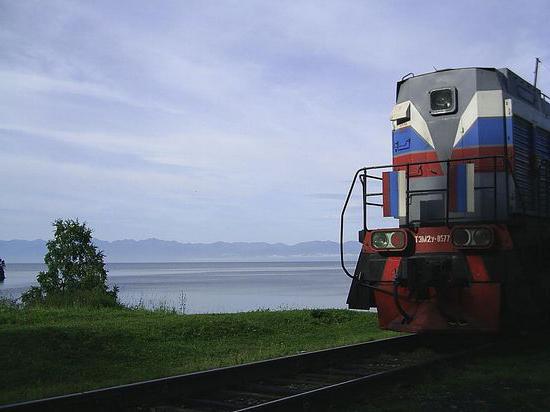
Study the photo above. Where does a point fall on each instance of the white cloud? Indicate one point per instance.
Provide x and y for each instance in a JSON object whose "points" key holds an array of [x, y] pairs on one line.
{"points": [[246, 106]]}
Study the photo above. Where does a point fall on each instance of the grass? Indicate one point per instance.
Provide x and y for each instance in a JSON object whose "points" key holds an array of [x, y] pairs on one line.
{"points": [[515, 377], [49, 351]]}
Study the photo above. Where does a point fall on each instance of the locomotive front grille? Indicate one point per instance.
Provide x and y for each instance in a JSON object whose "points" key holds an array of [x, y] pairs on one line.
{"points": [[419, 272]]}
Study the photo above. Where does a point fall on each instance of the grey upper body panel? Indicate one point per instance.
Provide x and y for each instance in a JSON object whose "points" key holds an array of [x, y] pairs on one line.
{"points": [[467, 82], [527, 103]]}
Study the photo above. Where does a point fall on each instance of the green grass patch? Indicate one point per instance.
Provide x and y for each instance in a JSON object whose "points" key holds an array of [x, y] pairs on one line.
{"points": [[53, 351]]}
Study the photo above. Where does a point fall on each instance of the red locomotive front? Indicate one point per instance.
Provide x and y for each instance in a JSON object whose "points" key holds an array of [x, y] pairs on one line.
{"points": [[469, 189]]}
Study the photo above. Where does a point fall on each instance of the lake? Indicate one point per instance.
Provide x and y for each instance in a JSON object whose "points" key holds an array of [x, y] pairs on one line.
{"points": [[213, 287]]}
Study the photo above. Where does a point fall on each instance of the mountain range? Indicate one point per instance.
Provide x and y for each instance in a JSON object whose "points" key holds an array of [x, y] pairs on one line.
{"points": [[156, 250]]}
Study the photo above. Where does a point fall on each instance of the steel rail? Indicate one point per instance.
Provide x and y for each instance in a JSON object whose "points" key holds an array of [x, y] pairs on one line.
{"points": [[343, 392], [198, 390], [165, 389]]}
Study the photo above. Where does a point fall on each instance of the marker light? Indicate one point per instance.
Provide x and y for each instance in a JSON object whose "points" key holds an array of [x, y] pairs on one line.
{"points": [[398, 239]]}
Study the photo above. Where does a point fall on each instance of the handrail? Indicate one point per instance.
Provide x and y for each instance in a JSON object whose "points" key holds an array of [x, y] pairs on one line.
{"points": [[348, 197], [362, 172], [463, 159]]}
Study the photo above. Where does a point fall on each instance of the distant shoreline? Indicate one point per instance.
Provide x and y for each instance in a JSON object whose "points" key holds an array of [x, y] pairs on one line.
{"points": [[161, 251], [349, 258]]}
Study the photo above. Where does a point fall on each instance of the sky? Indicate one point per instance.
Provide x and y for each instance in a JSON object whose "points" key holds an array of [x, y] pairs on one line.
{"points": [[205, 121]]}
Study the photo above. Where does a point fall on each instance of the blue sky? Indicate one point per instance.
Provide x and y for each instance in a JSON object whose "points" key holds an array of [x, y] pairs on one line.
{"points": [[238, 120]]}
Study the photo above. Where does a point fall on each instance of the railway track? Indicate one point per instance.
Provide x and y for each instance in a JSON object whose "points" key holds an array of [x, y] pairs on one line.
{"points": [[307, 381]]}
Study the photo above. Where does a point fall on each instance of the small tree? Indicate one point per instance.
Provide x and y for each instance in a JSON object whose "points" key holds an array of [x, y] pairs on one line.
{"points": [[76, 271]]}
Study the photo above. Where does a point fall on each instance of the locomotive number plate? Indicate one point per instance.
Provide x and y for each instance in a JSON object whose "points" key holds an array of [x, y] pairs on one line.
{"points": [[432, 238]]}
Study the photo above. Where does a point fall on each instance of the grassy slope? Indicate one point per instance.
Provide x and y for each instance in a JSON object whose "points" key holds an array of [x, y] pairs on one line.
{"points": [[45, 352]]}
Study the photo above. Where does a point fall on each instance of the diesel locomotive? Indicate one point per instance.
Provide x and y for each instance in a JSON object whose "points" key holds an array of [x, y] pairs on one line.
{"points": [[469, 194]]}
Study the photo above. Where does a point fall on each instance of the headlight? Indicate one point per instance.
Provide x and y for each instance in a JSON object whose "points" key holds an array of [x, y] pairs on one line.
{"points": [[461, 237], [380, 240], [389, 240], [483, 237], [472, 237]]}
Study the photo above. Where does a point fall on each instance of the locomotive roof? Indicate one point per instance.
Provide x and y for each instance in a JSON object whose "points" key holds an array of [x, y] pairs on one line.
{"points": [[504, 70], [514, 84]]}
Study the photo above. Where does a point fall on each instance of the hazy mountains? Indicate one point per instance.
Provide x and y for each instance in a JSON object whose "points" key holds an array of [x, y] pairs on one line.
{"points": [[155, 250]]}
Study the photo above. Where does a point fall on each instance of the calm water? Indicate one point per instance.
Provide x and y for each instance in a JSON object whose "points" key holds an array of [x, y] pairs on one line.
{"points": [[213, 287]]}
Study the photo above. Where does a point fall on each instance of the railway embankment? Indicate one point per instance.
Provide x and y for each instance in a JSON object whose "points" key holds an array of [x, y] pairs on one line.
{"points": [[513, 376], [53, 351]]}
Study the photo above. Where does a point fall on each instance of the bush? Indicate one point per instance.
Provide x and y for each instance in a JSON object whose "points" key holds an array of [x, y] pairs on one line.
{"points": [[76, 272], [95, 298]]}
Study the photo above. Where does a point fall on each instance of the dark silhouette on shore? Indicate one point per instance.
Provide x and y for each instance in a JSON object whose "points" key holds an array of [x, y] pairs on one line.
{"points": [[2, 270]]}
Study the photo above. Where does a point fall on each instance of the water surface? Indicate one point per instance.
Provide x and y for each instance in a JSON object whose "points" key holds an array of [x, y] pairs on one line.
{"points": [[213, 287]]}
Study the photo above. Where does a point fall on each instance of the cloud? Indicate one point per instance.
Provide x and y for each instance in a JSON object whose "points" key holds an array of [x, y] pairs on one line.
{"points": [[326, 196], [204, 121], [32, 83]]}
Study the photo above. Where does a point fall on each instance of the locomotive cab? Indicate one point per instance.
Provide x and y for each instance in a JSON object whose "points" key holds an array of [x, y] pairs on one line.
{"points": [[469, 191]]}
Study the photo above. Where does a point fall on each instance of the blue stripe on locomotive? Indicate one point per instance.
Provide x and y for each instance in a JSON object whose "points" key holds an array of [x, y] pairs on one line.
{"points": [[394, 194], [485, 131], [407, 140]]}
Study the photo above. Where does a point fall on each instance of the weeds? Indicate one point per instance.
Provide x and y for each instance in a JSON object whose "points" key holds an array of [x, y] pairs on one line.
{"points": [[155, 305], [8, 303], [183, 302], [327, 317]]}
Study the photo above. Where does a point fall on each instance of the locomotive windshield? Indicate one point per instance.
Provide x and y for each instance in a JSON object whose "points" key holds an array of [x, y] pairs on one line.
{"points": [[442, 101]]}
